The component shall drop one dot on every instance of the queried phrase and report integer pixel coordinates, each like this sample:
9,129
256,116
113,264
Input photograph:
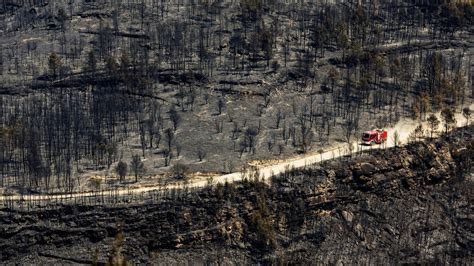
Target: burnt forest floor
408,204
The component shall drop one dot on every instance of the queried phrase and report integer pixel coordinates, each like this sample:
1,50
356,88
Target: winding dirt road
404,128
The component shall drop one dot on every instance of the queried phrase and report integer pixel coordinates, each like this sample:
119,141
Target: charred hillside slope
410,204
213,85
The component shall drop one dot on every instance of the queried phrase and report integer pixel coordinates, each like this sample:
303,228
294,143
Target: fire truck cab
377,135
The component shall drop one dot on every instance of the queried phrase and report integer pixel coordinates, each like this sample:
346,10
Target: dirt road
404,128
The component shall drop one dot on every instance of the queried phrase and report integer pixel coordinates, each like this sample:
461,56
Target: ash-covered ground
211,86
409,204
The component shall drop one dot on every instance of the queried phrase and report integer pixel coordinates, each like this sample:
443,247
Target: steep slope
402,205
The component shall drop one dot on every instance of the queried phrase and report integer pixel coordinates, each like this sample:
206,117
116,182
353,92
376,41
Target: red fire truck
377,135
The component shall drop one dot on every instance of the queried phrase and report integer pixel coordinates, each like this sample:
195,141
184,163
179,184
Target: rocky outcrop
403,205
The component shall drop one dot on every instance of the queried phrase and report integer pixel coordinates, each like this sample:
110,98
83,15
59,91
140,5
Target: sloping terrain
209,86
406,127
409,204
226,131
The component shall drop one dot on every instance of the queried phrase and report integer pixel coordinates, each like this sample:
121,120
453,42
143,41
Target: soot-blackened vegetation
209,85
404,205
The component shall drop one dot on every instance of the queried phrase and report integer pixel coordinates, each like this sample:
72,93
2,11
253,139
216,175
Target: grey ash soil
30,33
410,204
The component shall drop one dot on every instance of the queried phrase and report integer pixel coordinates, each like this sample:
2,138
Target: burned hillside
88,84
403,205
